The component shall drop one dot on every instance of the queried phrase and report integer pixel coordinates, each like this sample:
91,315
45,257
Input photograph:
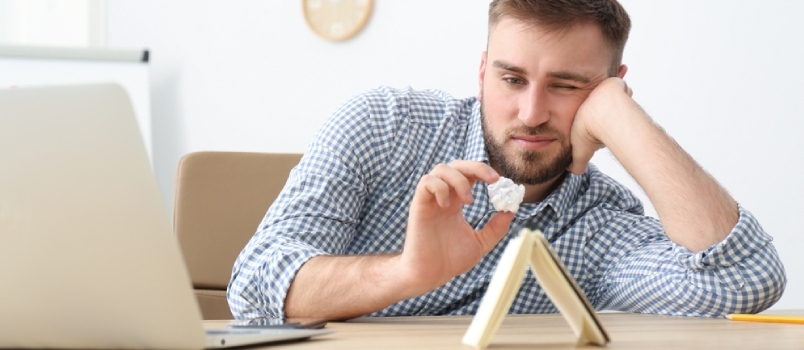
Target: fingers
627,89
599,105
436,188
615,83
580,160
495,230
459,176
474,170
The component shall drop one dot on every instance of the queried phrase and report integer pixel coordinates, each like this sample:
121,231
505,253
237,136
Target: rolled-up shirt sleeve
741,274
315,214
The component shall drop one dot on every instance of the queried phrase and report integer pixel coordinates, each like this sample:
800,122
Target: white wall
721,77
76,23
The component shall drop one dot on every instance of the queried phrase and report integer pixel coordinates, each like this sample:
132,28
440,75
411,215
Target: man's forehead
511,25
514,45
508,22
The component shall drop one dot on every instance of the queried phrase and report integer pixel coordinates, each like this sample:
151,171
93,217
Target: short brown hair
561,15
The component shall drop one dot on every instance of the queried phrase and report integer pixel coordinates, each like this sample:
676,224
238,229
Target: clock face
337,19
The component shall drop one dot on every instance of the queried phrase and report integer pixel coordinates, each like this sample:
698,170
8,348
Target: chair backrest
220,199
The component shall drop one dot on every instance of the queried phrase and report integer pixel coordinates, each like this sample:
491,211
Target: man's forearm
342,287
695,211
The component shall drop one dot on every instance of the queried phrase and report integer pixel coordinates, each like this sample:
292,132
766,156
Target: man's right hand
439,243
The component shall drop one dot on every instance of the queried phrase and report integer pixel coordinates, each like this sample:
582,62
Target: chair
220,199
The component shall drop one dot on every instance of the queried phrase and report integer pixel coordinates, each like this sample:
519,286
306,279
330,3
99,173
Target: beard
526,166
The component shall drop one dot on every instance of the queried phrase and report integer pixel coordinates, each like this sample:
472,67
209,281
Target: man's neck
537,193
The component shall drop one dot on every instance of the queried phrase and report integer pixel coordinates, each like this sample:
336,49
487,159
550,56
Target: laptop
88,258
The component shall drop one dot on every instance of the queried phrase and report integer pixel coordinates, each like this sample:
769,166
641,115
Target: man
388,214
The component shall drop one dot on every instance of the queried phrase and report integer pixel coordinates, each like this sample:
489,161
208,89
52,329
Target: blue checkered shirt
351,192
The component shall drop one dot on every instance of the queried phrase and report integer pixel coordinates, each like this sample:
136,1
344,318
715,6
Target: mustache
542,129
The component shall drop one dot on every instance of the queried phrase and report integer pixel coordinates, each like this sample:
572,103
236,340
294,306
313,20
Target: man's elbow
766,289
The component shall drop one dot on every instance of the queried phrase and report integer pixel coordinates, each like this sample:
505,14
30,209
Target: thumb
584,146
495,230
580,160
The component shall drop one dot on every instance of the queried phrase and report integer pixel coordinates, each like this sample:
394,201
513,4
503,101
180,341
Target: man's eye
565,87
513,80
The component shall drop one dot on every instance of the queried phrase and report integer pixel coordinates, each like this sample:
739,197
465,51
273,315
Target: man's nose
533,108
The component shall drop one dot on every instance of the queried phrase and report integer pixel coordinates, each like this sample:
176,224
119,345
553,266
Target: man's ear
621,73
481,75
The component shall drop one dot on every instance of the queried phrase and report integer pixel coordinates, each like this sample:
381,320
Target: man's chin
535,177
529,171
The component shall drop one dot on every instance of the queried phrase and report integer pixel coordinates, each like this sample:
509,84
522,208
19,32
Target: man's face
531,85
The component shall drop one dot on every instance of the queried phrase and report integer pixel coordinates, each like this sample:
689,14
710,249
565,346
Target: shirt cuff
746,238
277,273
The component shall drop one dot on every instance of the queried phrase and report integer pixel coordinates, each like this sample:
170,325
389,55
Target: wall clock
337,19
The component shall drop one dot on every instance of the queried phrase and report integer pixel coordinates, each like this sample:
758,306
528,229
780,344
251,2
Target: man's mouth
532,142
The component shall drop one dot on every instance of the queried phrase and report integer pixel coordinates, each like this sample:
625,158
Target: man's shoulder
422,106
408,93
385,122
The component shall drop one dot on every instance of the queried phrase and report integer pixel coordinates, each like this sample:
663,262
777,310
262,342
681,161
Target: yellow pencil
766,318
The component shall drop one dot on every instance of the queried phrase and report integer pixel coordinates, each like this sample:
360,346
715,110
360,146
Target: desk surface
627,331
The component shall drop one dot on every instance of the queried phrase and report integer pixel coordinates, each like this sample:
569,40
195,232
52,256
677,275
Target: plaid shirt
352,190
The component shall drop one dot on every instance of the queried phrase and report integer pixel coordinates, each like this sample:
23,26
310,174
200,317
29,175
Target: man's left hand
598,112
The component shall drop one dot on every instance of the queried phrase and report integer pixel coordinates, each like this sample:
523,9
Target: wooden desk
627,331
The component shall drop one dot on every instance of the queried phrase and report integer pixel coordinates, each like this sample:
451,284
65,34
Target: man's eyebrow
559,75
508,67
570,76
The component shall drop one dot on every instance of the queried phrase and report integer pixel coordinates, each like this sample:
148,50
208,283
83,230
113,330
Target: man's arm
342,287
645,272
294,266
439,245
722,261
695,211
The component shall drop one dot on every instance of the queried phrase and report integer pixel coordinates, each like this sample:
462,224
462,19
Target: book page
565,293
531,247
503,287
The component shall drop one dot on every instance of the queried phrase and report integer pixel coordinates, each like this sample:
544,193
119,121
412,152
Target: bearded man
387,213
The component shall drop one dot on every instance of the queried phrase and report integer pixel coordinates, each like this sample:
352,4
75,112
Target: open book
531,246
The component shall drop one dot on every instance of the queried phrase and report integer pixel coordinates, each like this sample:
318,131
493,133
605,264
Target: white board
35,66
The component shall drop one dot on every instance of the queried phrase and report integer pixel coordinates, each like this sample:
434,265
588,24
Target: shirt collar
566,193
558,201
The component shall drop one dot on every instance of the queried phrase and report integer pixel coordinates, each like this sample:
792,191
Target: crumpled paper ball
505,195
